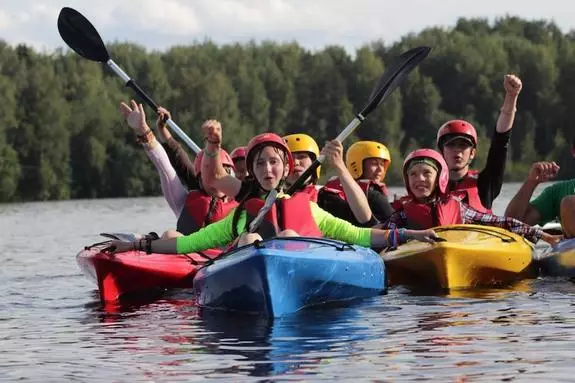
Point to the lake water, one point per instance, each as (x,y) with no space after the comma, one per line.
(53,328)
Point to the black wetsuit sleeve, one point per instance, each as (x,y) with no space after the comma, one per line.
(379,205)
(334,205)
(339,208)
(182,164)
(490,179)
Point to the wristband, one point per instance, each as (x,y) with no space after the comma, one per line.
(402,236)
(211,154)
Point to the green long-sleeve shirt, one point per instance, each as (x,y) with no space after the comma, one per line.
(220,233)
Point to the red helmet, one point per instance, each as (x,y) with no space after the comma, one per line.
(263,140)
(239,152)
(456,128)
(224,157)
(437,157)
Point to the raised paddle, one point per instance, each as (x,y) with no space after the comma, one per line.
(84,39)
(386,84)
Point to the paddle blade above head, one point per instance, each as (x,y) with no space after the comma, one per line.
(81,36)
(393,76)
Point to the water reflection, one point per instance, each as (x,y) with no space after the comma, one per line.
(216,344)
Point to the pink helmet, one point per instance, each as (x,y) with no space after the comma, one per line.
(263,140)
(443,179)
(239,152)
(456,128)
(224,157)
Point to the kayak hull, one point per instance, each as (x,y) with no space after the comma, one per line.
(470,256)
(282,276)
(560,261)
(133,272)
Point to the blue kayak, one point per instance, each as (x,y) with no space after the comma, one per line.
(280,276)
(559,260)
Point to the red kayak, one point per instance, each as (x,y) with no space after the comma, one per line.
(136,271)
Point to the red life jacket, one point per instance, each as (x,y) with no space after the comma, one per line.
(444,211)
(287,213)
(311,190)
(466,190)
(333,185)
(200,210)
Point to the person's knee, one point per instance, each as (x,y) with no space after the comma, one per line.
(248,239)
(171,234)
(288,233)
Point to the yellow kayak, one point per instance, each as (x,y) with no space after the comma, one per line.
(467,256)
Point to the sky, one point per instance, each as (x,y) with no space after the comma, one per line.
(314,24)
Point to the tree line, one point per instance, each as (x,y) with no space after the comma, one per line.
(62,136)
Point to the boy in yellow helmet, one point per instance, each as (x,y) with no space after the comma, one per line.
(367,161)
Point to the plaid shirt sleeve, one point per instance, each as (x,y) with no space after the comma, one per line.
(471,215)
(396,221)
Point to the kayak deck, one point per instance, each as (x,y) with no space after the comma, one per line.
(469,256)
(284,275)
(118,275)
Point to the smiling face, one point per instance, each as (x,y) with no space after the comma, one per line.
(270,167)
(373,169)
(458,153)
(421,178)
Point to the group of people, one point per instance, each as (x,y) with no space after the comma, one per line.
(217,196)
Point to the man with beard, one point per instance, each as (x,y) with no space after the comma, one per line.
(457,141)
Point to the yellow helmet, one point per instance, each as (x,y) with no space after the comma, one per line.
(303,143)
(362,150)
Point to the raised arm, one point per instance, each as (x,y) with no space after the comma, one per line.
(356,198)
(213,172)
(174,192)
(179,158)
(512,85)
(519,206)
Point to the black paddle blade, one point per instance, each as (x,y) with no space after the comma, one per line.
(391,78)
(81,36)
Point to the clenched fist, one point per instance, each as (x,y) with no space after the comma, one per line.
(212,130)
(512,84)
(543,171)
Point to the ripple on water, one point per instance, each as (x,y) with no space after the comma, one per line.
(52,327)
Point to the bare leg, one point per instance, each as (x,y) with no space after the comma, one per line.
(171,233)
(288,233)
(248,239)
(568,216)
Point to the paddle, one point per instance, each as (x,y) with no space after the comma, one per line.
(84,39)
(386,84)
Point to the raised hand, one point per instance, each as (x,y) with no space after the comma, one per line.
(543,171)
(135,116)
(333,152)
(512,84)
(163,116)
(212,130)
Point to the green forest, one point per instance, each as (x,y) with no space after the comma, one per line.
(62,136)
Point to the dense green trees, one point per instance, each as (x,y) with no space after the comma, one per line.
(61,135)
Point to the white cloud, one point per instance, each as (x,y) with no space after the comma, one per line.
(158,24)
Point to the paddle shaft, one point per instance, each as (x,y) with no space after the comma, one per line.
(349,129)
(132,84)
